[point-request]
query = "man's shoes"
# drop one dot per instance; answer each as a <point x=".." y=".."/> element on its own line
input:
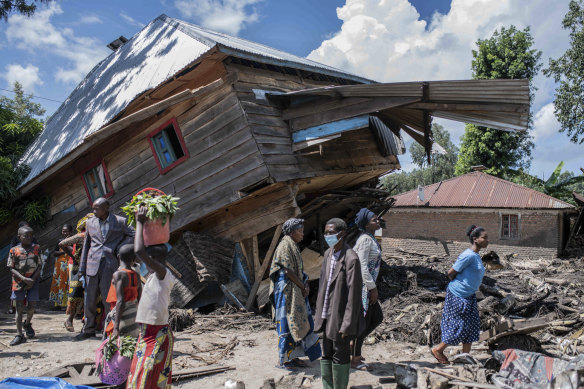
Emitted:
<point x="28" y="330"/>
<point x="83" y="336"/>
<point x="11" y="311"/>
<point x="18" y="339"/>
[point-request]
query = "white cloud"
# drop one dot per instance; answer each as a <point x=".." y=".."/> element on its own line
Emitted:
<point x="545" y="123"/>
<point x="387" y="41"/>
<point x="38" y="33"/>
<point x="131" y="21"/>
<point x="27" y="75"/>
<point x="90" y="19"/>
<point x="228" y="16"/>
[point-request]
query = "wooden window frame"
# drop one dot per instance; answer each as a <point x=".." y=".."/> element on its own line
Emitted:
<point x="172" y="122"/>
<point x="509" y="237"/>
<point x="108" y="180"/>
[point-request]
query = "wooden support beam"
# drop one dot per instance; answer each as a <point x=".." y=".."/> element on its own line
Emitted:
<point x="248" y="259"/>
<point x="255" y="253"/>
<point x="267" y="262"/>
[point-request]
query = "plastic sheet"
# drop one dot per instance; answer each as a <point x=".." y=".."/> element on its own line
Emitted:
<point x="38" y="382"/>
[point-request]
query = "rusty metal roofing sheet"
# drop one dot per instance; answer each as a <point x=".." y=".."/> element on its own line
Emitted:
<point x="480" y="190"/>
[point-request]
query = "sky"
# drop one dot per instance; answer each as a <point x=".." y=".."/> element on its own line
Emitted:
<point x="384" y="40"/>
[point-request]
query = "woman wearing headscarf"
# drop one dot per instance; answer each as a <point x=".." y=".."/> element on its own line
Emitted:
<point x="289" y="296"/>
<point x="369" y="252"/>
<point x="460" y="315"/>
<point x="73" y="246"/>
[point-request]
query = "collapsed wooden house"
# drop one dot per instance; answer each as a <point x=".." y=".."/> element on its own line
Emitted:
<point x="246" y="135"/>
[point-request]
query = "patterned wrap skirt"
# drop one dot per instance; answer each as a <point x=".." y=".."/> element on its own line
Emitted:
<point x="59" y="285"/>
<point x="460" y="319"/>
<point x="288" y="349"/>
<point x="152" y="362"/>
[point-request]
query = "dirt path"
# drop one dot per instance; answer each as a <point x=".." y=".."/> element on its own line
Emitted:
<point x="254" y="355"/>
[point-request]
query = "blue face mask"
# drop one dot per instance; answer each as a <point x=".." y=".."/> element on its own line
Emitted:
<point x="331" y="240"/>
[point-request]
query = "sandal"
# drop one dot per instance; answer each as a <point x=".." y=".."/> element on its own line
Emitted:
<point x="362" y="366"/>
<point x="440" y="357"/>
<point x="286" y="366"/>
<point x="69" y="327"/>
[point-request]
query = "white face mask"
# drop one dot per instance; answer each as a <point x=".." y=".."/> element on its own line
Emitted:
<point x="331" y="240"/>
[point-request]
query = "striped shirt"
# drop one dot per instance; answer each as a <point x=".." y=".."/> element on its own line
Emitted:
<point x="325" y="306"/>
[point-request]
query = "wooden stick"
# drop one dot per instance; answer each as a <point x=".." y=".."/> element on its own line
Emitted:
<point x="439" y="372"/>
<point x="263" y="268"/>
<point x="473" y="385"/>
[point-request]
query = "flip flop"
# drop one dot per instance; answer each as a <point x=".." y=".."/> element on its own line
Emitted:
<point x="440" y="358"/>
<point x="362" y="367"/>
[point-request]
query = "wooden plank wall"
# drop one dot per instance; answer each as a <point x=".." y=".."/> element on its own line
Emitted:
<point x="352" y="151"/>
<point x="223" y="159"/>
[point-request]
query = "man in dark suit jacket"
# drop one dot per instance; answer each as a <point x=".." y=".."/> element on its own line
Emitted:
<point x="339" y="309"/>
<point x="104" y="234"/>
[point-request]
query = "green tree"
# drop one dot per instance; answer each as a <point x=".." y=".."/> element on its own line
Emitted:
<point x="441" y="167"/>
<point x="20" y="123"/>
<point x="24" y="7"/>
<point x="508" y="54"/>
<point x="568" y="70"/>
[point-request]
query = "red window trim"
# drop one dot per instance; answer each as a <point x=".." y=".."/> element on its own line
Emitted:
<point x="181" y="140"/>
<point x="107" y="180"/>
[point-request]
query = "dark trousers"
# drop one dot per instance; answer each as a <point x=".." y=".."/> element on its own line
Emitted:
<point x="373" y="318"/>
<point x="339" y="351"/>
<point x="94" y="285"/>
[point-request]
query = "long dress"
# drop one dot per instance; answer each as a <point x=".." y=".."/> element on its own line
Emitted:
<point x="60" y="284"/>
<point x="75" y="292"/>
<point x="290" y="310"/>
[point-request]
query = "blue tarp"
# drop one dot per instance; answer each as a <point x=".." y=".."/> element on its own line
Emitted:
<point x="38" y="382"/>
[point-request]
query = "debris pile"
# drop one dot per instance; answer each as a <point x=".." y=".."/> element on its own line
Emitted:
<point x="523" y="305"/>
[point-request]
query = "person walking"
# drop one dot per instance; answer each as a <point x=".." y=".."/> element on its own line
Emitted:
<point x="289" y="296"/>
<point x="369" y="252"/>
<point x="24" y="262"/>
<point x="339" y="310"/>
<point x="104" y="234"/>
<point x="60" y="282"/>
<point x="152" y="362"/>
<point x="74" y="246"/>
<point x="460" y="315"/>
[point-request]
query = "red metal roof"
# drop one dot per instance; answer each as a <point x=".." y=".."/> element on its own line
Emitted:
<point x="479" y="190"/>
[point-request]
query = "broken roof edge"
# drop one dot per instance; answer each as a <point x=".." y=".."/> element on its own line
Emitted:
<point x="312" y="66"/>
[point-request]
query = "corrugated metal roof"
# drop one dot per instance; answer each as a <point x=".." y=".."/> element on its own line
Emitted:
<point x="502" y="104"/>
<point x="479" y="190"/>
<point x="155" y="54"/>
<point x="243" y="48"/>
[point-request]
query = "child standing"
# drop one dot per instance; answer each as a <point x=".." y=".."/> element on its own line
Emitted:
<point x="24" y="261"/>
<point x="123" y="297"/>
<point x="152" y="362"/>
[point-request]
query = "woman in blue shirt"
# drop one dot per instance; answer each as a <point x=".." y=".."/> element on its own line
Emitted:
<point x="460" y="315"/>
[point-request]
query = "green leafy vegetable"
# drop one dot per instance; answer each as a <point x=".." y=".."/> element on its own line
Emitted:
<point x="159" y="207"/>
<point x="126" y="349"/>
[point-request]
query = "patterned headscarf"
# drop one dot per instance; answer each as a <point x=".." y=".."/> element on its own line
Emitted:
<point x="83" y="221"/>
<point x="363" y="217"/>
<point x="292" y="225"/>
